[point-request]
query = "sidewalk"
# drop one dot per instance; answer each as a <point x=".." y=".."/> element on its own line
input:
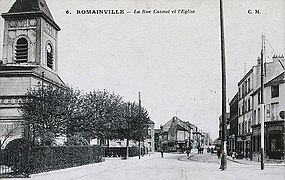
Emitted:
<point x="79" y="172"/>
<point x="249" y="162"/>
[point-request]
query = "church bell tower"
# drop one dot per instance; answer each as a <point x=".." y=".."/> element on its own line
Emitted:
<point x="30" y="35"/>
<point x="29" y="58"/>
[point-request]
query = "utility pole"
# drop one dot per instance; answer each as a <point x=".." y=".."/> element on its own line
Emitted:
<point x="262" y="105"/>
<point x="128" y="130"/>
<point x="224" y="96"/>
<point x="139" y="125"/>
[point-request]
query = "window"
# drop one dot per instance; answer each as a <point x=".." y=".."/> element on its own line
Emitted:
<point x="245" y="87"/>
<point x="274" y="91"/>
<point x="248" y="85"/>
<point x="21" y="50"/>
<point x="274" y="111"/>
<point x="249" y="125"/>
<point x="258" y="116"/>
<point x="273" y="145"/>
<point x="245" y="127"/>
<point x="258" y="98"/>
<point x="248" y="105"/>
<point x="254" y="117"/>
<point x="239" y="92"/>
<point x="49" y="56"/>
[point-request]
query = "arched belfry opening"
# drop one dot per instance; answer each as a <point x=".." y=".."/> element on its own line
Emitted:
<point x="21" y="50"/>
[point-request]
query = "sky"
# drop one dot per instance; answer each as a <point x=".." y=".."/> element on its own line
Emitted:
<point x="172" y="59"/>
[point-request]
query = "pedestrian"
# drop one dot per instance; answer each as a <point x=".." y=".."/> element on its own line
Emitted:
<point x="161" y="152"/>
<point x="187" y="152"/>
<point x="219" y="153"/>
<point x="143" y="151"/>
<point x="234" y="155"/>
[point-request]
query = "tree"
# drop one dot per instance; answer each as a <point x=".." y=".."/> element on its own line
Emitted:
<point x="47" y="111"/>
<point x="102" y="114"/>
<point x="8" y="131"/>
<point x="134" y="124"/>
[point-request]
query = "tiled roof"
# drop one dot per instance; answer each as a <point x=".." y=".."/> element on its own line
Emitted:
<point x="21" y="6"/>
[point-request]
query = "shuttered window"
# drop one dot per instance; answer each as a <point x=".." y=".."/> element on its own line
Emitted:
<point x="21" y="50"/>
<point x="49" y="56"/>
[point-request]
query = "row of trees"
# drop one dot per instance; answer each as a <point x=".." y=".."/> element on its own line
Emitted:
<point x="52" y="111"/>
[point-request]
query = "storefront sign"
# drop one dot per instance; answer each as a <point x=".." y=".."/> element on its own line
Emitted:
<point x="275" y="128"/>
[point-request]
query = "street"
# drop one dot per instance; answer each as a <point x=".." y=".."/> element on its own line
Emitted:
<point x="171" y="167"/>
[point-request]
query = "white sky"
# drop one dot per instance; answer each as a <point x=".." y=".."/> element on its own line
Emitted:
<point x="172" y="59"/>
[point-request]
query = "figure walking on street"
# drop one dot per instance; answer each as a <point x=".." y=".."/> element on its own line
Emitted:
<point x="161" y="153"/>
<point x="219" y="153"/>
<point x="187" y="152"/>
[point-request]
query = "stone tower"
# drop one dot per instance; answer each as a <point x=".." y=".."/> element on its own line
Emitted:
<point x="29" y="57"/>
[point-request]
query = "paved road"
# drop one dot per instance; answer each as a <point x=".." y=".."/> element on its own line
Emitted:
<point x="171" y="167"/>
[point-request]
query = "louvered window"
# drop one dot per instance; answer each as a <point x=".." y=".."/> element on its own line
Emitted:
<point x="21" y="50"/>
<point x="49" y="56"/>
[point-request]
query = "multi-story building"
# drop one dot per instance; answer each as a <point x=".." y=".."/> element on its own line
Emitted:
<point x="248" y="105"/>
<point x="175" y="135"/>
<point x="245" y="115"/>
<point x="273" y="97"/>
<point x="221" y="125"/>
<point x="233" y="125"/>
<point x="29" y="59"/>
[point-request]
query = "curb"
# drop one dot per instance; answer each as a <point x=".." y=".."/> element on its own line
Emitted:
<point x="255" y="163"/>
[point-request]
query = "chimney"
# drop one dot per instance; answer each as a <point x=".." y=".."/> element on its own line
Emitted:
<point x="258" y="61"/>
<point x="276" y="57"/>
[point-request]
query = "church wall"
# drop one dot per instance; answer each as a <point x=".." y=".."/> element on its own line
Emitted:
<point x="14" y="86"/>
<point x="9" y="112"/>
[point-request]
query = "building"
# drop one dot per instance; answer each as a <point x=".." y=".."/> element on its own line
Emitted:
<point x="156" y="139"/>
<point x="244" y="136"/>
<point x="29" y="58"/>
<point x="221" y="125"/>
<point x="245" y="89"/>
<point x="148" y="143"/>
<point x="175" y="135"/>
<point x="274" y="95"/>
<point x="233" y="125"/>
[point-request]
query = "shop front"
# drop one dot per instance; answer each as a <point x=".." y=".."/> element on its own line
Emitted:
<point x="275" y="140"/>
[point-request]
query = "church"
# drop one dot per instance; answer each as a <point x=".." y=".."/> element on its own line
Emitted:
<point x="29" y="59"/>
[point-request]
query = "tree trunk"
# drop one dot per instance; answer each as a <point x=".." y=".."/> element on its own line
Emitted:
<point x="127" y="149"/>
<point x="139" y="149"/>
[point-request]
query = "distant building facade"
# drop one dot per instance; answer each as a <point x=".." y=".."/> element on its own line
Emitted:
<point x="177" y="135"/>
<point x="221" y="125"/>
<point x="233" y="125"/>
<point x="148" y="144"/>
<point x="245" y="115"/>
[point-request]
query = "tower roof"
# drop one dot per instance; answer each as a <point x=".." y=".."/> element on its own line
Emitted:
<point x="31" y="7"/>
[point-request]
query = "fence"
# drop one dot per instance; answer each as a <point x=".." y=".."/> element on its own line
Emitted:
<point x="40" y="159"/>
<point x="121" y="151"/>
